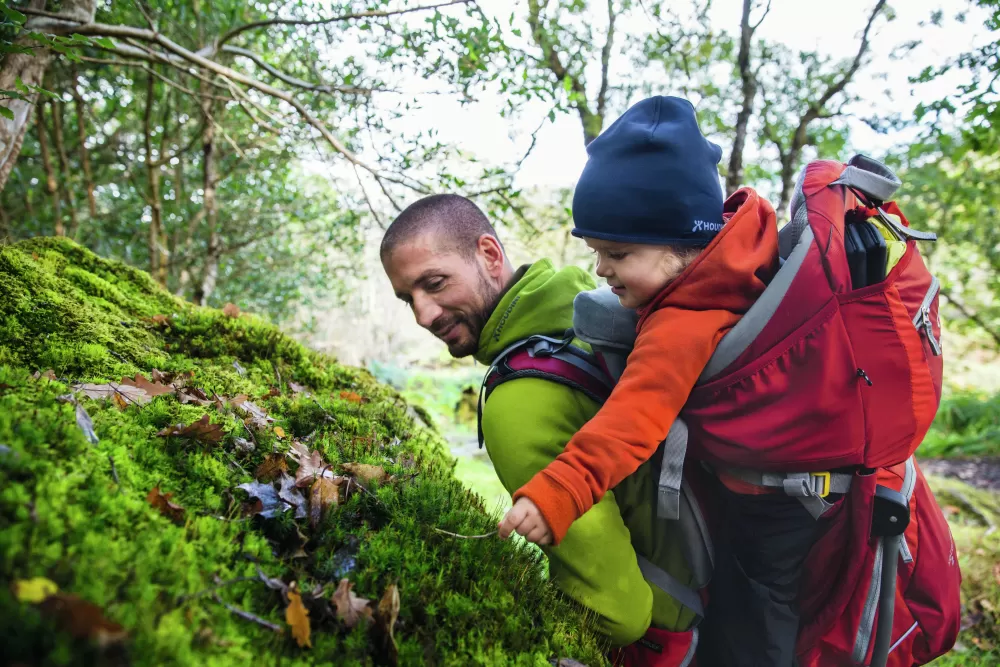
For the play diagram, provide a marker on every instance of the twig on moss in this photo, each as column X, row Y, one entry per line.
column 114, row 472
column 247, row 615
column 466, row 537
column 118, row 356
column 326, row 415
column 214, row 588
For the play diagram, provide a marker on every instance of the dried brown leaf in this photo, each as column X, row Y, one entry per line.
column 152, row 388
column 231, row 310
column 388, row 611
column 311, row 465
column 161, row 320
column 273, row 391
column 126, row 394
column 352, row 397
column 193, row 395
column 253, row 415
column 297, row 616
column 323, row 494
column 279, row 432
column 48, row 375
column 365, row 472
column 297, row 388
column 202, row 430
column 350, row 608
column 272, row 467
column 161, row 501
column 82, row 619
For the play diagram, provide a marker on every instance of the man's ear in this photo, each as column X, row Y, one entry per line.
column 491, row 255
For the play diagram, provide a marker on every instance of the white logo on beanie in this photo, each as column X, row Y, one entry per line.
column 706, row 226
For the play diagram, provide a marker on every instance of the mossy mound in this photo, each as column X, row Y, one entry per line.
column 79, row 513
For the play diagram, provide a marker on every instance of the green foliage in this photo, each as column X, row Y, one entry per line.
column 77, row 513
column 967, row 424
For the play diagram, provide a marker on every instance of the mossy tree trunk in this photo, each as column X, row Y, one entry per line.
column 153, row 173
column 50, row 175
column 81, row 131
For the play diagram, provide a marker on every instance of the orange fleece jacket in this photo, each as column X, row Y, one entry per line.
column 677, row 335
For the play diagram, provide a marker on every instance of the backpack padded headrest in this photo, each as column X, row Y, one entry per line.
column 599, row 319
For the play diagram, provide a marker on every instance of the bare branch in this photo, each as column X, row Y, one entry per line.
column 841, row 83
column 368, row 200
column 602, row 96
column 767, row 10
column 293, row 81
column 345, row 17
column 149, row 70
column 49, row 15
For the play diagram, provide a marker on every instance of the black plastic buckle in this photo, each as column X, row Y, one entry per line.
column 890, row 512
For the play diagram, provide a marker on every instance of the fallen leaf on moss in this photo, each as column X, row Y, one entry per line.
column 202, row 430
column 297, row 616
column 86, row 425
column 292, row 496
column 162, row 320
column 280, row 432
column 350, row 608
column 239, row 369
column 82, row 619
column 365, row 472
column 311, row 465
column 152, row 388
column 254, row 415
column 298, row 388
column 388, row 611
column 352, row 397
column 244, row 445
column 231, row 310
column 273, row 466
column 48, row 375
column 34, row 590
column 119, row 393
column 322, row 494
column 273, row 391
column 193, row 395
column 161, row 501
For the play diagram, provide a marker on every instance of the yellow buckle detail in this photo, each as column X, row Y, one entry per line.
column 825, row 477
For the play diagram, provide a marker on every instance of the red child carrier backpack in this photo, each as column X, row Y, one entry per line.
column 826, row 386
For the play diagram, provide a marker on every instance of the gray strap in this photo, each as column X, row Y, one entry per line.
column 671, row 470
column 871, row 177
column 668, row 584
column 802, row 485
column 734, row 343
column 696, row 542
column 689, row 656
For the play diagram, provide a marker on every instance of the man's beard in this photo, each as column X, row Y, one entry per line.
column 474, row 321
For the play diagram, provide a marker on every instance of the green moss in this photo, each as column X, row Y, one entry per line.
column 77, row 513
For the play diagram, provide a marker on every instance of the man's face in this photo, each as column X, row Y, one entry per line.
column 451, row 295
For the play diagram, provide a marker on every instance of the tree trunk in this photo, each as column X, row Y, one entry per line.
column 66, row 184
column 210, row 273
column 734, row 175
column 50, row 174
column 30, row 69
column 153, row 175
column 81, row 130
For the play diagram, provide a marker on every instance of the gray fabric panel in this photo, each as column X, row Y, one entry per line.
column 696, row 541
column 870, row 176
column 750, row 325
column 789, row 235
column 668, row 501
column 599, row 319
column 668, row 584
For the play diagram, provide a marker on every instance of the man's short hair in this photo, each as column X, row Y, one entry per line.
column 461, row 222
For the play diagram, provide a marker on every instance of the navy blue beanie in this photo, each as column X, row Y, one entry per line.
column 651, row 178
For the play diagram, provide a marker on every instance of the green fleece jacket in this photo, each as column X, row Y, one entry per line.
column 528, row 421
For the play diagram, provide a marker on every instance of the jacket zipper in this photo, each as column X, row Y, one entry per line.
column 922, row 320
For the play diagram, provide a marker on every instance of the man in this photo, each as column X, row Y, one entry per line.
column 445, row 261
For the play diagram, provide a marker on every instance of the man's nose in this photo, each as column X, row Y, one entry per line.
column 425, row 310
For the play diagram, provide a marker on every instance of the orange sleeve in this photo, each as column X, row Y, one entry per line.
column 670, row 352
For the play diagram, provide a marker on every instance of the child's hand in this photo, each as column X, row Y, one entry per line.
column 525, row 519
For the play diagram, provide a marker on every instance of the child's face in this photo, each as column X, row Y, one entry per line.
column 637, row 273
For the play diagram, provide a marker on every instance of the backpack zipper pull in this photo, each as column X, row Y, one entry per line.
column 862, row 374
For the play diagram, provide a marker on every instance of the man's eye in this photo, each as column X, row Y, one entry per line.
column 434, row 285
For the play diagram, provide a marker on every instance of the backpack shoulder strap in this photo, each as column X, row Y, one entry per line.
column 546, row 358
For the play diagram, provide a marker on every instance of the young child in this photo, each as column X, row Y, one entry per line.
column 650, row 205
